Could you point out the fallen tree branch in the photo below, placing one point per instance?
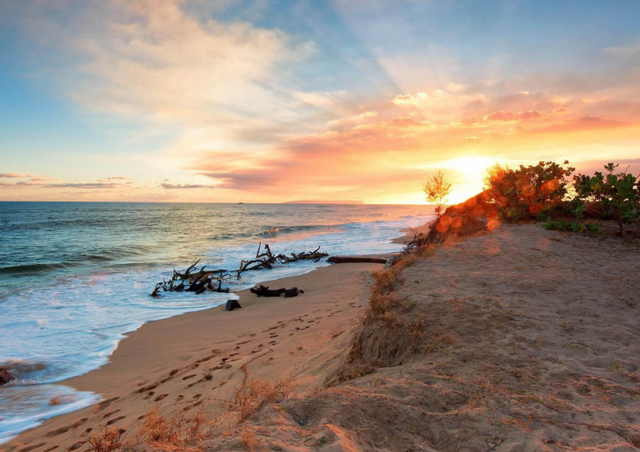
(355, 260)
(199, 281)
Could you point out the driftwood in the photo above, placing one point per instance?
(355, 260)
(264, 291)
(199, 281)
(293, 292)
(194, 281)
(267, 259)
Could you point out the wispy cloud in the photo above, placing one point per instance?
(168, 186)
(14, 175)
(88, 185)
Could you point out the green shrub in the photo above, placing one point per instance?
(611, 195)
(528, 191)
(574, 226)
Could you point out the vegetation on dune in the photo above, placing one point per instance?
(545, 192)
(529, 190)
(610, 195)
(182, 431)
(437, 190)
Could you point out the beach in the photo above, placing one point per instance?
(515, 339)
(303, 337)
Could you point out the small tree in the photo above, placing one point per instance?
(613, 195)
(437, 190)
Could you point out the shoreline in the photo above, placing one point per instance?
(158, 348)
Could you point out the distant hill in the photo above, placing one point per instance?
(311, 201)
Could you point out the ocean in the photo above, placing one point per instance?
(76, 277)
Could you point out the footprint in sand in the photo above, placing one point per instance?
(113, 421)
(77, 445)
(30, 448)
(61, 430)
(148, 388)
(111, 413)
(104, 404)
(160, 397)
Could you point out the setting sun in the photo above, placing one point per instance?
(466, 173)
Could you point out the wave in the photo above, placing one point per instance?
(23, 369)
(32, 269)
(278, 230)
(78, 260)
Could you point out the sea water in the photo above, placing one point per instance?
(76, 277)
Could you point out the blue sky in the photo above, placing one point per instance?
(226, 94)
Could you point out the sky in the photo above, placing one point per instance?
(337, 100)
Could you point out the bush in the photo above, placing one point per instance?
(255, 393)
(528, 191)
(108, 439)
(574, 226)
(612, 195)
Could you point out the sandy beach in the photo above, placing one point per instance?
(518, 339)
(186, 362)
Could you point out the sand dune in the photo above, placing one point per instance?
(530, 341)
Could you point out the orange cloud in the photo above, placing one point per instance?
(507, 116)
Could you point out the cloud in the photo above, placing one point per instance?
(408, 121)
(167, 186)
(624, 52)
(582, 124)
(251, 179)
(362, 118)
(88, 185)
(506, 116)
(442, 106)
(14, 175)
(157, 61)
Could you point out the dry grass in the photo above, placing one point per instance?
(177, 432)
(384, 303)
(108, 439)
(255, 393)
(247, 441)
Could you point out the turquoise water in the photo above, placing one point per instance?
(75, 277)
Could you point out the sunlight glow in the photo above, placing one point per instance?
(466, 175)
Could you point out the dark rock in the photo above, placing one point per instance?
(231, 305)
(5, 377)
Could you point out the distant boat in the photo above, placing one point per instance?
(240, 203)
